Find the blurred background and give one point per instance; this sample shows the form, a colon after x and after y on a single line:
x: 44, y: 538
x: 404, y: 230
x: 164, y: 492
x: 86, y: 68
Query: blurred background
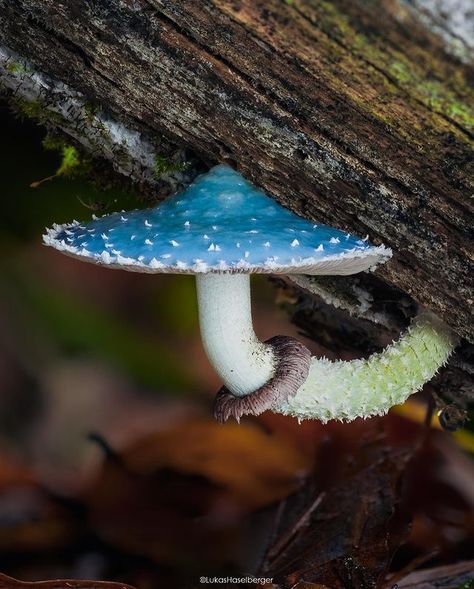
x: 111, y: 466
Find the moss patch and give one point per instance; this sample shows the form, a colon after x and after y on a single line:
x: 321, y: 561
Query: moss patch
x: 390, y: 76
x: 72, y: 163
x: 36, y: 110
x: 164, y: 165
x: 15, y: 67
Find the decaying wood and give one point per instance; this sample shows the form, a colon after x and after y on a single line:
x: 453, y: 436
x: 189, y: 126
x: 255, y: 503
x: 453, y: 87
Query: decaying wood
x: 352, y: 112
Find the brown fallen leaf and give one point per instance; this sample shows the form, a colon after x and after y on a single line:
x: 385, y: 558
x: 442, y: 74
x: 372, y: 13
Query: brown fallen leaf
x: 180, y: 496
x: 453, y: 576
x: 350, y: 536
x: 257, y: 468
x: 10, y: 583
x: 31, y: 517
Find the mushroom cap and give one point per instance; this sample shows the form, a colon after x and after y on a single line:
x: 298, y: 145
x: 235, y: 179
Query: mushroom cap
x: 220, y: 223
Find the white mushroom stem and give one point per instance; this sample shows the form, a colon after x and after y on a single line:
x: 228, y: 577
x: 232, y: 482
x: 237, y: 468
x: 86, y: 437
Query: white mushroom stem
x: 242, y: 361
x: 333, y: 390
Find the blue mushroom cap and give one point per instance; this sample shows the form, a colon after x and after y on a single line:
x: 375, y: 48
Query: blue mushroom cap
x: 220, y: 223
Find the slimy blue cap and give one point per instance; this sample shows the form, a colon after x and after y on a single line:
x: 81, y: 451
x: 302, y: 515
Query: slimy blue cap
x: 220, y: 223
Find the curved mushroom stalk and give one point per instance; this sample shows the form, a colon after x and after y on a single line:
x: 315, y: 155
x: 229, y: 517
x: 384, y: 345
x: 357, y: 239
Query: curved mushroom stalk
x: 280, y: 375
x: 257, y: 375
x: 242, y: 361
x: 363, y: 388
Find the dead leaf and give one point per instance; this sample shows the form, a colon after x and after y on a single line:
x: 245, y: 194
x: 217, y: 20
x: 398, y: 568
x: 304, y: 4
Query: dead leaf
x: 181, y: 495
x: 454, y: 576
x: 255, y: 467
x: 349, y: 539
x: 31, y: 517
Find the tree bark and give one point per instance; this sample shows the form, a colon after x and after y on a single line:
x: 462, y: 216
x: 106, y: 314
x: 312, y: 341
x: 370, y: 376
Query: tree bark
x: 356, y: 113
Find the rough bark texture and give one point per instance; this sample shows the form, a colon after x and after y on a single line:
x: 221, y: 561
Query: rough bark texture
x: 353, y: 112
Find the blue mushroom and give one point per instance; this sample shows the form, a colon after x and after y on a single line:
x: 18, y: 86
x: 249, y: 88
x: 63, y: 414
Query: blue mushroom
x: 222, y: 229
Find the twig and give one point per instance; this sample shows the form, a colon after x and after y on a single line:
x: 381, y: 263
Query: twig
x: 278, y: 548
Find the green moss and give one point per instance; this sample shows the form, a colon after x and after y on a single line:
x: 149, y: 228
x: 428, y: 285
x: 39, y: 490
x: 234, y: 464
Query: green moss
x: 164, y: 165
x: 338, y: 22
x: 437, y: 96
x: 459, y: 109
x: 420, y: 82
x: 16, y: 68
x: 432, y: 93
x: 35, y: 110
x: 72, y: 164
x: 92, y: 111
x: 400, y: 72
x: 30, y: 109
x: 70, y: 161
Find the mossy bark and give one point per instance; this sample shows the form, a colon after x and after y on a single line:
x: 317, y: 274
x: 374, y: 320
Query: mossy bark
x: 352, y: 112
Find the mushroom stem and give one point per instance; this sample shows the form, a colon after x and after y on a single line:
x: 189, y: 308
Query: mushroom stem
x: 362, y: 388
x: 243, y: 362
x: 341, y: 390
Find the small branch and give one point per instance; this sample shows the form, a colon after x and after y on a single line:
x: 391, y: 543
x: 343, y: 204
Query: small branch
x: 299, y: 524
x: 58, y: 106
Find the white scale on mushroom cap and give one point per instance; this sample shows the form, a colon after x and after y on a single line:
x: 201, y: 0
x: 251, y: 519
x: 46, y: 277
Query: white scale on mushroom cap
x: 222, y: 229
